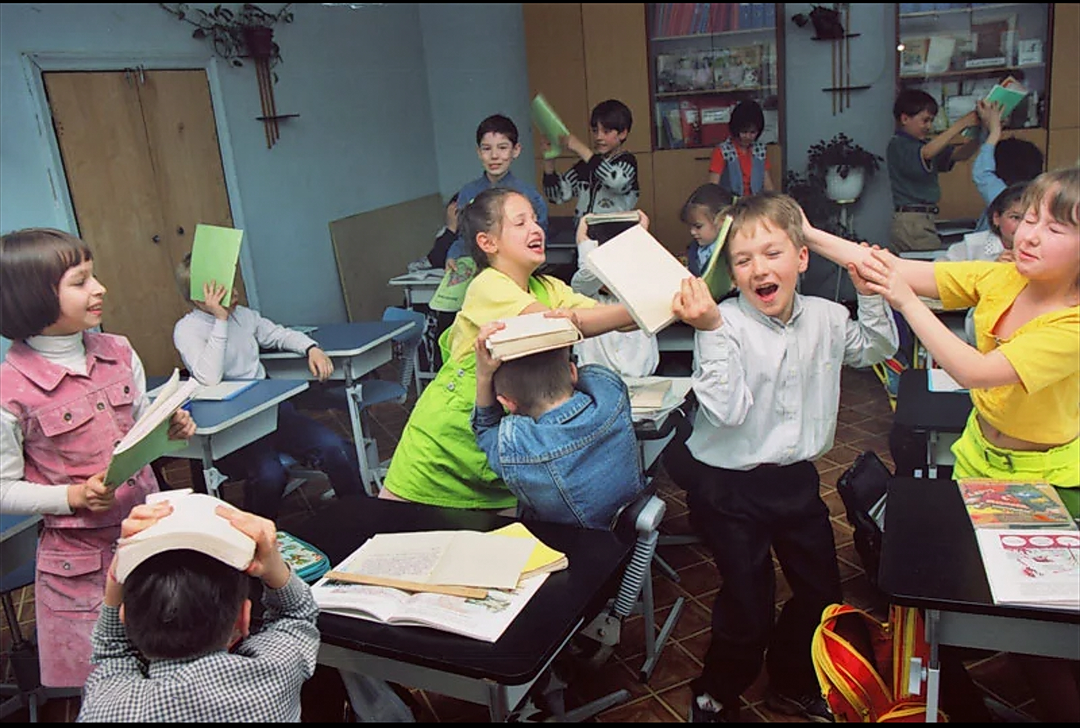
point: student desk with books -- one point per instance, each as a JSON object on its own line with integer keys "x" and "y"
{"x": 356, "y": 349}
{"x": 931, "y": 560}
{"x": 418, "y": 286}
{"x": 940, "y": 415}
{"x": 497, "y": 674}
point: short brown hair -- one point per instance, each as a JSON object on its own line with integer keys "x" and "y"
{"x": 775, "y": 208}
{"x": 32, "y": 262}
{"x": 533, "y": 380}
{"x": 1064, "y": 187}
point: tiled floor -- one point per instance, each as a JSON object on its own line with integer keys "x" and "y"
{"x": 864, "y": 422}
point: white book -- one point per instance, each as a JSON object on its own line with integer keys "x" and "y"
{"x": 482, "y": 619}
{"x": 1033, "y": 567}
{"x": 939, "y": 380}
{"x": 223, "y": 391}
{"x": 193, "y": 524}
{"x": 642, "y": 274}
{"x": 531, "y": 333}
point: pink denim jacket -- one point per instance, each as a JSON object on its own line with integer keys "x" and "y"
{"x": 70, "y": 423}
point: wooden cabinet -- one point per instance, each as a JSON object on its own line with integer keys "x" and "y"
{"x": 1063, "y": 147}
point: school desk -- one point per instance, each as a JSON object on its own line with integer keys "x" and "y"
{"x": 497, "y": 674}
{"x": 418, "y": 286}
{"x": 18, "y": 540}
{"x": 941, "y": 416}
{"x": 931, "y": 560}
{"x": 356, "y": 349}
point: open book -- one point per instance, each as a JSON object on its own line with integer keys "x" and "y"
{"x": 531, "y": 333}
{"x": 193, "y": 525}
{"x": 549, "y": 124}
{"x": 716, "y": 274}
{"x": 543, "y": 559}
{"x": 482, "y": 619}
{"x": 642, "y": 274}
{"x": 1035, "y": 567}
{"x": 214, "y": 253}
{"x": 603, "y": 226}
{"x": 148, "y": 439}
{"x": 1002, "y": 504}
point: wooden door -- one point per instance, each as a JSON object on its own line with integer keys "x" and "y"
{"x": 617, "y": 64}
{"x": 143, "y": 167}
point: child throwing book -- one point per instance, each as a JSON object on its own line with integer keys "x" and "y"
{"x": 437, "y": 460}
{"x": 67, "y": 396}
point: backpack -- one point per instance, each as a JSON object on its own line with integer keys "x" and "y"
{"x": 871, "y": 671}
{"x": 862, "y": 489}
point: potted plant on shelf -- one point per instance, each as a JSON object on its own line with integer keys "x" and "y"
{"x": 844, "y": 165}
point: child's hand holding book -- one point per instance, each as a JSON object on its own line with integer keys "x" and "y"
{"x": 694, "y": 305}
{"x": 267, "y": 564}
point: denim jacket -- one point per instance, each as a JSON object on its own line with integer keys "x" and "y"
{"x": 577, "y": 464}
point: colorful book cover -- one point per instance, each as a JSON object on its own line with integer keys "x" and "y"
{"x": 1001, "y": 504}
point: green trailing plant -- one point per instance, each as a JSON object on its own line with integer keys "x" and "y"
{"x": 842, "y": 152}
{"x": 809, "y": 191}
{"x": 247, "y": 33}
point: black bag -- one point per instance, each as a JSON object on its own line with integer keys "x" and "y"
{"x": 862, "y": 489}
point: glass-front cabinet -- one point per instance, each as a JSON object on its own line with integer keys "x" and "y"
{"x": 958, "y": 52}
{"x": 704, "y": 59}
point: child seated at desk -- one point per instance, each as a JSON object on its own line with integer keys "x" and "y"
{"x": 567, "y": 448}
{"x": 188, "y": 616}
{"x": 218, "y": 343}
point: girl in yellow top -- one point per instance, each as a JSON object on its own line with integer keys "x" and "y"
{"x": 1024, "y": 372}
{"x": 437, "y": 460}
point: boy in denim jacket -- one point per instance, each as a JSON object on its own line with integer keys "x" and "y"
{"x": 566, "y": 449}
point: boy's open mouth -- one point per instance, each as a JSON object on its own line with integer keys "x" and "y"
{"x": 767, "y": 292}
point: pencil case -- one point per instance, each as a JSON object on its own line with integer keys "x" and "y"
{"x": 306, "y": 561}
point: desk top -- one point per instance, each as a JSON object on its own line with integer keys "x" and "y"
{"x": 11, "y": 525}
{"x": 348, "y": 339}
{"x": 430, "y": 277}
{"x": 212, "y": 417}
{"x": 596, "y": 561}
{"x": 930, "y": 558}
{"x": 922, "y": 410}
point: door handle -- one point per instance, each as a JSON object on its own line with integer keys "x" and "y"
{"x": 156, "y": 238}
{"x": 179, "y": 230}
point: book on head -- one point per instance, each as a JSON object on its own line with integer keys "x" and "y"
{"x": 716, "y": 274}
{"x": 194, "y": 525}
{"x": 214, "y": 253}
{"x": 994, "y": 503}
{"x": 549, "y": 124}
{"x": 603, "y": 226}
{"x": 531, "y": 333}
{"x": 642, "y": 274}
{"x": 148, "y": 439}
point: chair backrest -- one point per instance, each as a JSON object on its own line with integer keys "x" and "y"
{"x": 408, "y": 343}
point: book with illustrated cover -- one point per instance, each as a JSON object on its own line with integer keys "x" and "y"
{"x": 531, "y": 333}
{"x": 450, "y": 293}
{"x": 306, "y": 561}
{"x": 603, "y": 226}
{"x": 193, "y": 524}
{"x": 148, "y": 439}
{"x": 477, "y": 618}
{"x": 642, "y": 274}
{"x": 1032, "y": 567}
{"x": 1001, "y": 504}
{"x": 716, "y": 274}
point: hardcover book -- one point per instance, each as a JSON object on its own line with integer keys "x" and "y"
{"x": 549, "y": 124}
{"x": 531, "y": 333}
{"x": 716, "y": 274}
{"x": 1001, "y": 504}
{"x": 603, "y": 226}
{"x": 214, "y": 253}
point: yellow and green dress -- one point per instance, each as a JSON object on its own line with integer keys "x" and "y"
{"x": 437, "y": 460}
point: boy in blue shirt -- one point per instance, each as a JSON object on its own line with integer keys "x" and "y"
{"x": 914, "y": 162}
{"x": 567, "y": 448}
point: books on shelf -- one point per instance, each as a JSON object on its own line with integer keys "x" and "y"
{"x": 483, "y": 618}
{"x": 549, "y": 124}
{"x": 642, "y": 274}
{"x": 214, "y": 253}
{"x": 193, "y": 524}
{"x": 994, "y": 503}
{"x": 1032, "y": 567}
{"x": 716, "y": 274}
{"x": 531, "y": 333}
{"x": 148, "y": 439}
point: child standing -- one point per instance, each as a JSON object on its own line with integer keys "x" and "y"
{"x": 739, "y": 163}
{"x": 605, "y": 180}
{"x": 437, "y": 460}
{"x": 914, "y": 163}
{"x": 188, "y": 615}
{"x": 68, "y": 396}
{"x": 218, "y": 343}
{"x": 1023, "y": 373}
{"x": 767, "y": 382}
{"x": 567, "y": 448}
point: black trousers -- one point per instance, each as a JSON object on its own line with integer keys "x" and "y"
{"x": 741, "y": 515}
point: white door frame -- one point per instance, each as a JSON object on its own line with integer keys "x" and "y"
{"x": 35, "y": 64}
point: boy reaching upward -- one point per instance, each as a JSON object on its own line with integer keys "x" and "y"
{"x": 768, "y": 387}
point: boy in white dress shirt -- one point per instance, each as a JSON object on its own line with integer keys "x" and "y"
{"x": 219, "y": 343}
{"x": 767, "y": 381}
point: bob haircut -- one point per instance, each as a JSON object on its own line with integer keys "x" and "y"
{"x": 32, "y": 262}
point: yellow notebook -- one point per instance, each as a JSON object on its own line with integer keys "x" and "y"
{"x": 543, "y": 559}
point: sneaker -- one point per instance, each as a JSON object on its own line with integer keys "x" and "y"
{"x": 707, "y": 715}
{"x": 811, "y": 706}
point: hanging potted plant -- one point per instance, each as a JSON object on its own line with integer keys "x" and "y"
{"x": 844, "y": 165}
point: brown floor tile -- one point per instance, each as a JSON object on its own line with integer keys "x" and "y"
{"x": 643, "y": 710}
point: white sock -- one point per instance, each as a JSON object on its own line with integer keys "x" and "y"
{"x": 707, "y": 702}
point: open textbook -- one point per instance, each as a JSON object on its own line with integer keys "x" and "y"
{"x": 193, "y": 524}
{"x": 214, "y": 253}
{"x": 642, "y": 274}
{"x": 482, "y": 619}
{"x": 1033, "y": 567}
{"x": 994, "y": 503}
{"x": 148, "y": 439}
{"x": 531, "y": 333}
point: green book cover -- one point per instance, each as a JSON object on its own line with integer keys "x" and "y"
{"x": 450, "y": 294}
{"x": 1009, "y": 95}
{"x": 156, "y": 444}
{"x": 549, "y": 124}
{"x": 214, "y": 254}
{"x": 716, "y": 274}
